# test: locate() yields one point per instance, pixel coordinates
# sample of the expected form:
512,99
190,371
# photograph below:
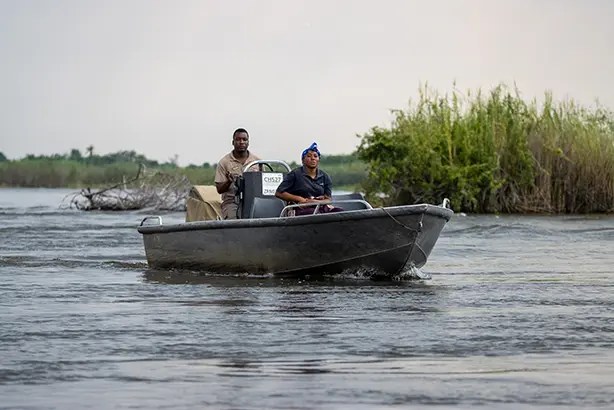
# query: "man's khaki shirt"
231,165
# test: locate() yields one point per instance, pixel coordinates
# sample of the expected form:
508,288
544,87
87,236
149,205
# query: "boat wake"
366,274
411,272
408,273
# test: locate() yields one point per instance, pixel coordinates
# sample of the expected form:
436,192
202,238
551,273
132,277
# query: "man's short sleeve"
221,172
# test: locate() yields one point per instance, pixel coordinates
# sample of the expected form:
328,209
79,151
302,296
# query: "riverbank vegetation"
493,152
487,152
73,170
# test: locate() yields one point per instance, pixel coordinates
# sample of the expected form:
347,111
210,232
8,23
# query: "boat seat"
349,206
353,195
266,207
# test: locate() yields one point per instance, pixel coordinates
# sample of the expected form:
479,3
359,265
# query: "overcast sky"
168,78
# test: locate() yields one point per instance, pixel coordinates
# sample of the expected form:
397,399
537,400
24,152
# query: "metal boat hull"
382,241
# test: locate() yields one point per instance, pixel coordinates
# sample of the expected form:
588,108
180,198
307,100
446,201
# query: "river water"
519,313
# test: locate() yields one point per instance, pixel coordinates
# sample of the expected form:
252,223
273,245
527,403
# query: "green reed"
494,153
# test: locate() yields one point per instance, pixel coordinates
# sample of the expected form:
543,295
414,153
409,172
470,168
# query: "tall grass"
494,153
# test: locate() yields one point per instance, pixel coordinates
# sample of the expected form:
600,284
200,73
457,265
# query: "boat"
267,240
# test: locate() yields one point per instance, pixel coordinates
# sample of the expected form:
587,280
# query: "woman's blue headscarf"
313,147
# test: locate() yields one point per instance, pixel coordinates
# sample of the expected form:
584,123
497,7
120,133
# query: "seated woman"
307,184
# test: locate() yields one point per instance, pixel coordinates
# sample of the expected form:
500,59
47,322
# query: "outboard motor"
256,190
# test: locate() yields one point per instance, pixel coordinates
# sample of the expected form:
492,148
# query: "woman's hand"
316,199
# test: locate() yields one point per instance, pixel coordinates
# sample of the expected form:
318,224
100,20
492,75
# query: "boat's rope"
421,250
402,224
414,231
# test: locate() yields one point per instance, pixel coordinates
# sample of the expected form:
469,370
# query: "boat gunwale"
374,213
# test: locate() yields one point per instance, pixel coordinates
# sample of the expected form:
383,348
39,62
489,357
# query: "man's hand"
225,186
232,176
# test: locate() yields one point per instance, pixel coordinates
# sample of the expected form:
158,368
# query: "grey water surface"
519,313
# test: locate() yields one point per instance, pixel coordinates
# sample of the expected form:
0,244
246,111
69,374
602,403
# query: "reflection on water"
356,277
175,277
519,313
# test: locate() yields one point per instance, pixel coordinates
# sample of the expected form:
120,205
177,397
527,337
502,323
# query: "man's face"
240,142
311,160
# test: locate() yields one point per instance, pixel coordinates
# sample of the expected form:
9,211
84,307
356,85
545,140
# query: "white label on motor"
270,182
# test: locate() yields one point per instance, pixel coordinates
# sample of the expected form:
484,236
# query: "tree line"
75,170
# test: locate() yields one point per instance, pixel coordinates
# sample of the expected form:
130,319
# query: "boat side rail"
317,205
266,162
159,218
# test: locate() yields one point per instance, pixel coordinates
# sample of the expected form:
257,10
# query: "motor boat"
267,239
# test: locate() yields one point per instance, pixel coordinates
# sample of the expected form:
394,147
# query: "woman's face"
311,159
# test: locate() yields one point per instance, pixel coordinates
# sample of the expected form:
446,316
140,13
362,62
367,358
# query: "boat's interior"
263,207
256,192
272,207
255,195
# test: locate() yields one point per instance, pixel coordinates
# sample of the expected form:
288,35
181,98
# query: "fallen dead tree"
155,190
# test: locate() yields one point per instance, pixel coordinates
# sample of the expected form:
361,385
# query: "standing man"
229,168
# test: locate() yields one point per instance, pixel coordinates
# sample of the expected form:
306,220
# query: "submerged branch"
158,190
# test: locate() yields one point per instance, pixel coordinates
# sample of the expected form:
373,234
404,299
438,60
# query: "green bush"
493,153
